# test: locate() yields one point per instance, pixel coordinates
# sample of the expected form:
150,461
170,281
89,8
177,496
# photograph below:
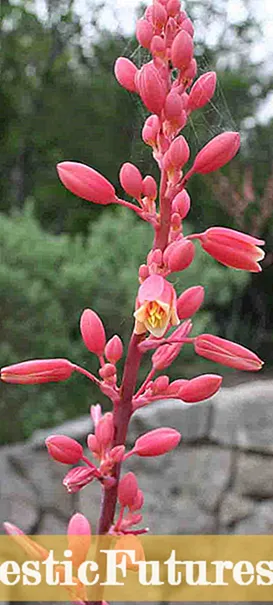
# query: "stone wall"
219,480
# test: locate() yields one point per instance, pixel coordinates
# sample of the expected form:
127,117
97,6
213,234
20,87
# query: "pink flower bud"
143,273
127,489
116,453
173,7
182,50
93,445
159,15
79,538
179,152
200,388
152,88
114,349
190,301
64,449
37,371
188,26
131,180
179,255
227,353
125,72
173,106
144,33
149,187
150,130
92,332
202,91
85,182
190,72
161,384
107,371
78,477
175,386
218,152
182,203
158,46
157,442
167,353
138,502
105,430
233,248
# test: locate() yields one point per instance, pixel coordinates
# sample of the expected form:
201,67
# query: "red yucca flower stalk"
169,87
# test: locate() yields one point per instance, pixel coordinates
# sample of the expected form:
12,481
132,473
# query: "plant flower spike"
162,319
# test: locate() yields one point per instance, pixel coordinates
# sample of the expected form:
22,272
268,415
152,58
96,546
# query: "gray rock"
254,475
46,476
260,522
77,429
191,420
243,416
234,508
202,473
19,503
52,524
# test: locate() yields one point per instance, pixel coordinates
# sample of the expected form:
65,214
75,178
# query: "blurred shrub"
46,281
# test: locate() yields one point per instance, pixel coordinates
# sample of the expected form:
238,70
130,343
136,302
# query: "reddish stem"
162,230
122,413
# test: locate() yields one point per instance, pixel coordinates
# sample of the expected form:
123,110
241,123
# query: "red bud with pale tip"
152,88
179,255
218,152
157,442
127,489
64,449
79,538
200,388
114,349
227,353
92,331
233,248
131,180
179,152
190,301
144,33
181,204
125,72
182,50
87,183
202,91
149,187
37,371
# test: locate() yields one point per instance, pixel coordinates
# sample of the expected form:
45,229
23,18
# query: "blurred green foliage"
47,280
59,101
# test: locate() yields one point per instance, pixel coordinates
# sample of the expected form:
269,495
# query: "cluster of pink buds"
170,90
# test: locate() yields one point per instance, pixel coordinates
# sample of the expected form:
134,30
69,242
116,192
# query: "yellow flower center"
155,315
